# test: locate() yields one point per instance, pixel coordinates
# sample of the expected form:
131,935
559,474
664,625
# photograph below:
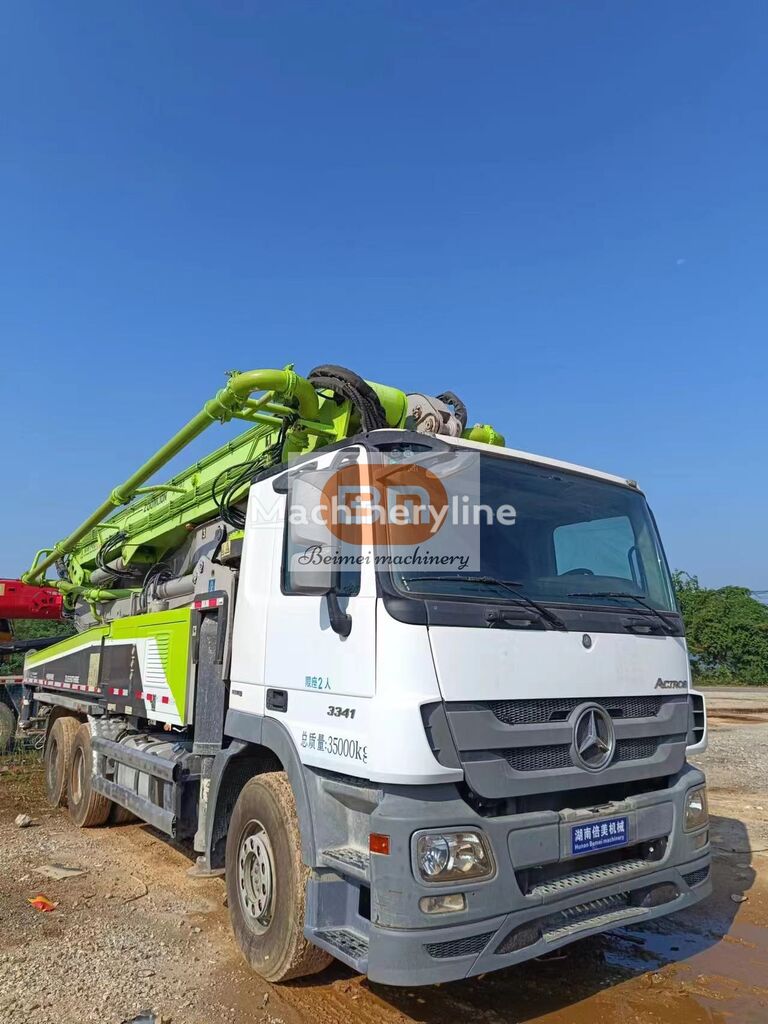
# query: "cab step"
348,860
345,944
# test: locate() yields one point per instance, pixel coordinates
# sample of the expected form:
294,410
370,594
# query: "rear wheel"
266,881
58,759
87,808
120,815
7,726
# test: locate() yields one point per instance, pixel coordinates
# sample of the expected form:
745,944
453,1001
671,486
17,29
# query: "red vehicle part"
22,601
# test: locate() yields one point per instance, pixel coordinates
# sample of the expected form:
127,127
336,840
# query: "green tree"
29,629
727,631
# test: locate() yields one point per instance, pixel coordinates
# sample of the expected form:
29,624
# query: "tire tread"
7,726
94,808
66,727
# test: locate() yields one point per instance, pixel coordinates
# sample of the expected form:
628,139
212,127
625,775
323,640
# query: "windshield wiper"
668,627
509,585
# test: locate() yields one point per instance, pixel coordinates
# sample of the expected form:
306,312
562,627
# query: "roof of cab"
542,460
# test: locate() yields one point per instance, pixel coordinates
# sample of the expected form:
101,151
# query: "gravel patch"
737,758
134,933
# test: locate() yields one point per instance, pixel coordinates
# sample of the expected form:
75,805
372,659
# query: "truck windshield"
575,540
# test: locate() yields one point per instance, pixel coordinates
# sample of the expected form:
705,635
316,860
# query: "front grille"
697,877
641,747
558,755
698,718
557,709
512,748
538,759
458,947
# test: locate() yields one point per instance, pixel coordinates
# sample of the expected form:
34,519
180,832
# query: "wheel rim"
50,768
77,776
256,876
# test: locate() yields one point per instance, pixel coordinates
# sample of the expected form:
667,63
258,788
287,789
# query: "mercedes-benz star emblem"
593,738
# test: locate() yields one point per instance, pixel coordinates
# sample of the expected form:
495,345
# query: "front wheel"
266,881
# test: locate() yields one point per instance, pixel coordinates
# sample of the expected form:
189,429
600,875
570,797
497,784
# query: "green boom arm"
290,416
232,401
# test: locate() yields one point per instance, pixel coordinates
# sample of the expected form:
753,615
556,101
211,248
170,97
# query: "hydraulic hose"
349,386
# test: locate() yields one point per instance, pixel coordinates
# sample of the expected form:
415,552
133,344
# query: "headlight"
696,812
453,856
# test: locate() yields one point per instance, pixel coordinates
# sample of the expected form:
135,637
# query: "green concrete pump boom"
291,416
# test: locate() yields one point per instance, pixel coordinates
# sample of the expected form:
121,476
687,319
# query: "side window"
603,547
305,535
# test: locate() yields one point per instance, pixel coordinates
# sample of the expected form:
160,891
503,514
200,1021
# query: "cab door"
319,681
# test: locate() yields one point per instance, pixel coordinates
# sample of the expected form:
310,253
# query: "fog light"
696,812
448,856
657,895
701,840
443,904
525,935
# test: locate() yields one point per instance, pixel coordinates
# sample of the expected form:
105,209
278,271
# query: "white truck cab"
514,738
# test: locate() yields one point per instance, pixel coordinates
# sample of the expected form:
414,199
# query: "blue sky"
557,210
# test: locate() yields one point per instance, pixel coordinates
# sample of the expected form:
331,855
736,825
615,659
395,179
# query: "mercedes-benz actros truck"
441,738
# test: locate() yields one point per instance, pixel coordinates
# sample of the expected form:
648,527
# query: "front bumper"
409,947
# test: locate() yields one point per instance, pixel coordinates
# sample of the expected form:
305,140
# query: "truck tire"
120,815
87,808
58,759
7,726
266,881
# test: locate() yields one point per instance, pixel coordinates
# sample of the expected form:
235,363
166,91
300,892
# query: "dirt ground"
133,933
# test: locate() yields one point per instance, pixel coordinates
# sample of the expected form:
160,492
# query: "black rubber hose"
346,384
245,473
458,406
110,549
